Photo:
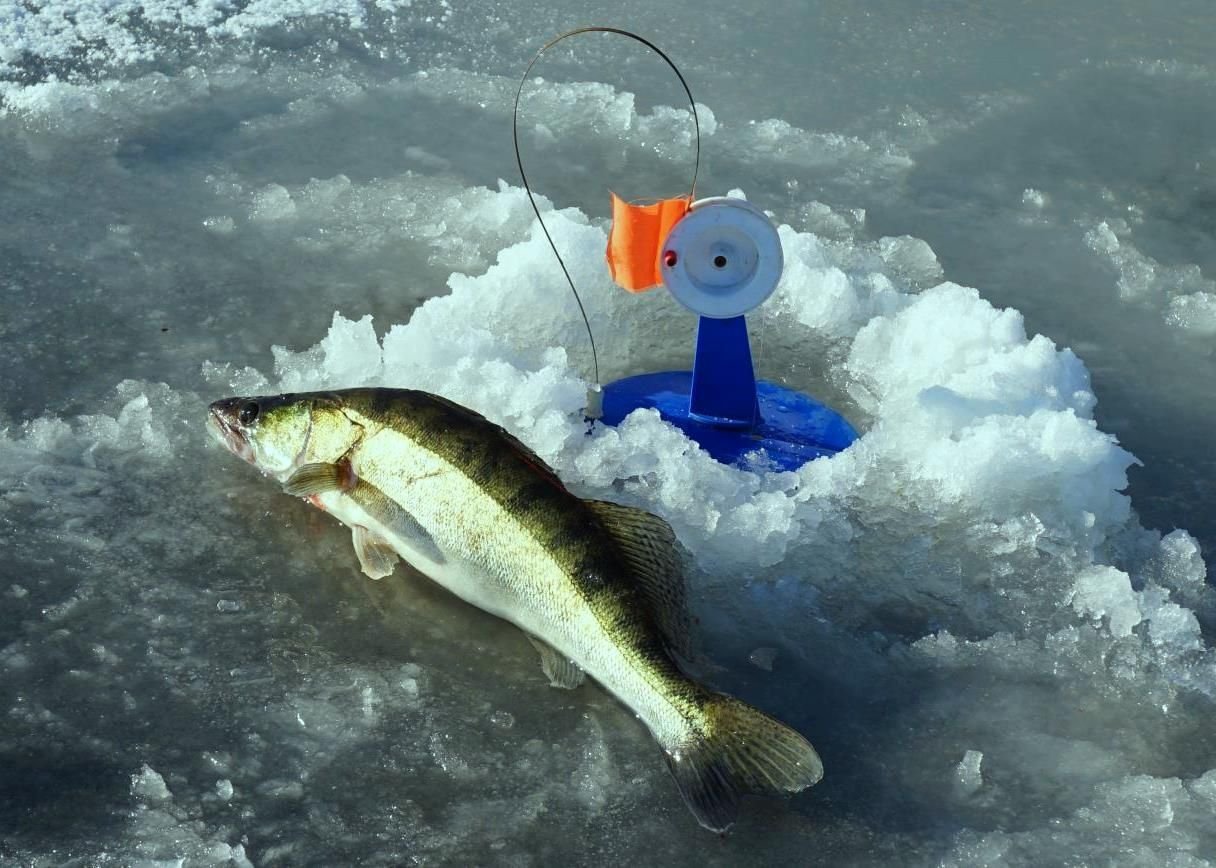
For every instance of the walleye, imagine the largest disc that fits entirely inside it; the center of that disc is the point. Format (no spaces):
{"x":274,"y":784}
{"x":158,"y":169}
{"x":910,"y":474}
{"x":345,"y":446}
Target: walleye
{"x":596,"y":586}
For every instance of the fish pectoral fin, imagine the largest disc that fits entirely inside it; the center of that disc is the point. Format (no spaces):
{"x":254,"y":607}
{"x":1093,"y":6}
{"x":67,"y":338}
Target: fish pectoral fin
{"x":317,"y":479}
{"x":649,"y":546}
{"x":560,"y":670}
{"x":376,"y":556}
{"x":393,"y":517}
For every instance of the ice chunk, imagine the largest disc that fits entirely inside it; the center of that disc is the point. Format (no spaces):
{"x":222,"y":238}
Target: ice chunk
{"x":1188,"y":298}
{"x":778,"y":140}
{"x":1033,"y":198}
{"x":968,"y":776}
{"x":1169,"y":625}
{"x":823,"y":221}
{"x":669,"y":131}
{"x":1136,"y":820}
{"x":142,"y":425}
{"x":272,"y":203}
{"x":592,"y":106}
{"x":1177,"y":564}
{"x":911,"y":260}
{"x":149,"y":786}
{"x":1136,"y":272}
{"x":220,"y":225}
{"x":1194,"y":313}
{"x":277,"y":788}
{"x":1106,"y":593}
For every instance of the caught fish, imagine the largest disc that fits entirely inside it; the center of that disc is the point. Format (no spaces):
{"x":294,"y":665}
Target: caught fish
{"x":596,"y":586}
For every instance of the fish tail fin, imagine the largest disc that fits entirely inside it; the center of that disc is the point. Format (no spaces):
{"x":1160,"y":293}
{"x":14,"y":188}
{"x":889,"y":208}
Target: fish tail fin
{"x":741,"y":750}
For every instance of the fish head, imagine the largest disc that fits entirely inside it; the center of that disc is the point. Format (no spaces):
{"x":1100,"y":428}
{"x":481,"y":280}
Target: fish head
{"x":279,"y":433}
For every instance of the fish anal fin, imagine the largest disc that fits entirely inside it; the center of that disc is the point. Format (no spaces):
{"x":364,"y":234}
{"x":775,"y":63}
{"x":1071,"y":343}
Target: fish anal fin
{"x":649,"y":547}
{"x":376,"y":556}
{"x":742,"y":750}
{"x":560,"y":670}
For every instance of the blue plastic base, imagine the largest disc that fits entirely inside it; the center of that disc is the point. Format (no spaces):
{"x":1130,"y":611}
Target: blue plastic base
{"x":793,"y":428}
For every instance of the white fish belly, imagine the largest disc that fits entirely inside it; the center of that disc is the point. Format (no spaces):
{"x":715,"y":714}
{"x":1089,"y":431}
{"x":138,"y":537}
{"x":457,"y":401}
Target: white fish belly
{"x":492,"y":562}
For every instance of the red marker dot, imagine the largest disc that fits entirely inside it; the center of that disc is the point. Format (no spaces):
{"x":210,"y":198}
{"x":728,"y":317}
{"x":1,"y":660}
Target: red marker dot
{"x":670,"y":258}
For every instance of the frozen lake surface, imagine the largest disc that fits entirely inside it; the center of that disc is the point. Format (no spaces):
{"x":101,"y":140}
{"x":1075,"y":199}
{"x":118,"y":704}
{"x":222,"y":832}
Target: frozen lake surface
{"x":991,"y":615}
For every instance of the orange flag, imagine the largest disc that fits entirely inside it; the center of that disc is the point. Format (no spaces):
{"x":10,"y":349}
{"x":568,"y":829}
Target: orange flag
{"x":635,"y":243}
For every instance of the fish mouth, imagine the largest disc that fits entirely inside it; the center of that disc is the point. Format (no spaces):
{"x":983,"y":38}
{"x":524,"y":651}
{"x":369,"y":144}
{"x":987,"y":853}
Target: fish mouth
{"x":225,"y":430}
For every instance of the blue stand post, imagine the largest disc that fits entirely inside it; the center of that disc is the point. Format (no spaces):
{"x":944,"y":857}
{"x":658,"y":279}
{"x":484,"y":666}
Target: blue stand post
{"x":723,"y":380}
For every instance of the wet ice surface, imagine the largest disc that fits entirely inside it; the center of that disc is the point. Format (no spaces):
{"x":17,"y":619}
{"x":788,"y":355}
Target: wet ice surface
{"x":1000,"y":649}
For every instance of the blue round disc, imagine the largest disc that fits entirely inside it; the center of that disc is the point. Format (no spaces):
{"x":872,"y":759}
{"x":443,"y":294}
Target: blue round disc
{"x":793,"y":429}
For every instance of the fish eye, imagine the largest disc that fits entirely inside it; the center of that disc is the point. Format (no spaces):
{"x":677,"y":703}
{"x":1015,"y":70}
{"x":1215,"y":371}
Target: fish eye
{"x":248,"y":413}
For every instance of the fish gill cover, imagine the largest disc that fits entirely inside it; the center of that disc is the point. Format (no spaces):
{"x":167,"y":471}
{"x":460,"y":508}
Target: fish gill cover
{"x":999,"y":653}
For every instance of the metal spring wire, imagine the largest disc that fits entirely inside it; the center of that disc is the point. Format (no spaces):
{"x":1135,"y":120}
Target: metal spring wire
{"x":528,"y":188}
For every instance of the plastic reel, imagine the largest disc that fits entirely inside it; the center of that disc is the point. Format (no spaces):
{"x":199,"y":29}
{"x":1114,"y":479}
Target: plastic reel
{"x":723,"y":258}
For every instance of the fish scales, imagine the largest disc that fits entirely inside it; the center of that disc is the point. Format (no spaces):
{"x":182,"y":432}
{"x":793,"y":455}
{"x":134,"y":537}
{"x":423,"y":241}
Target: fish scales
{"x":452,"y":472}
{"x":475,"y":510}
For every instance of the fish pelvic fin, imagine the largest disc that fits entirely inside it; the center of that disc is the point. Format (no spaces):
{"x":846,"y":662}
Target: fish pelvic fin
{"x":741,"y":751}
{"x":376,"y":557}
{"x":395,"y":518}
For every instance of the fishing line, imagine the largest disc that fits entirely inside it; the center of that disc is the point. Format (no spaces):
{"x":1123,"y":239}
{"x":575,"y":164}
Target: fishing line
{"x":528,"y":188}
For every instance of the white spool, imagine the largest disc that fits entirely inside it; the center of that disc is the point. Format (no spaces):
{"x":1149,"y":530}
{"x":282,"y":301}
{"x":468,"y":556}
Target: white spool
{"x":723,"y":258}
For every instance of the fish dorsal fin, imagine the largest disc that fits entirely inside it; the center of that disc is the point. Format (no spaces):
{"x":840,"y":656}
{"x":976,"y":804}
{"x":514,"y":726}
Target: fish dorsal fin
{"x":648,"y":545}
{"x":522,"y":449}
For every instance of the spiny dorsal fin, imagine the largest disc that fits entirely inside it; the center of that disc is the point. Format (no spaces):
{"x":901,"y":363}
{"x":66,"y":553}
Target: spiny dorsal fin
{"x":649,"y":546}
{"x":560,"y":670}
